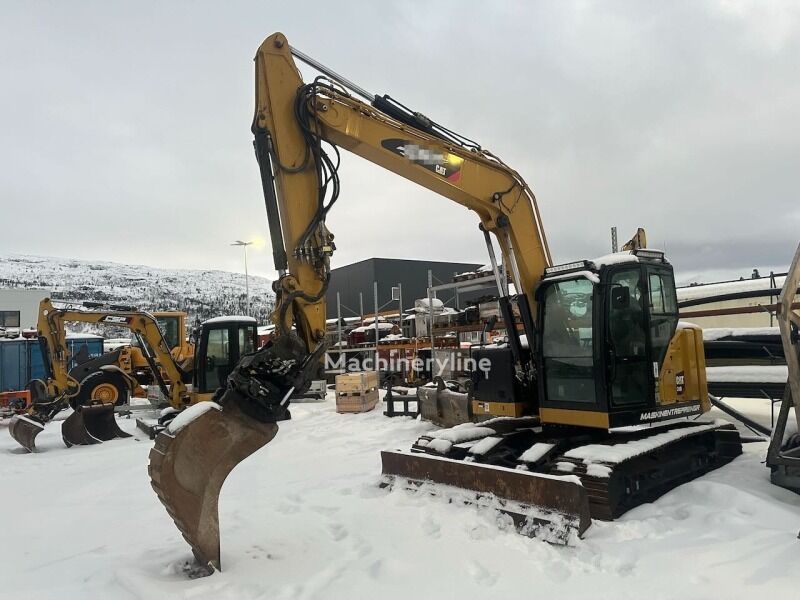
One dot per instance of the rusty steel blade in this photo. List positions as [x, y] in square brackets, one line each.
[561, 497]
[188, 467]
[444, 407]
[24, 430]
[100, 422]
[75, 433]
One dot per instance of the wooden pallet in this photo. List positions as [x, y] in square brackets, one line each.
[349, 402]
[356, 382]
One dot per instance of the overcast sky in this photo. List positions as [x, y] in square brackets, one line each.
[126, 125]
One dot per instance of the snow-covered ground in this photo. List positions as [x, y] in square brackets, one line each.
[305, 518]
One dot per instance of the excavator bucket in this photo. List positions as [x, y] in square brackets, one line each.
[189, 463]
[444, 406]
[91, 424]
[545, 506]
[24, 430]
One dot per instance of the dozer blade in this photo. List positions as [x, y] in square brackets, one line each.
[24, 430]
[189, 464]
[91, 425]
[540, 505]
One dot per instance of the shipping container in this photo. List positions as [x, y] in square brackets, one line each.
[21, 359]
[14, 365]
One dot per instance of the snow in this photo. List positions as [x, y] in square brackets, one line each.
[463, 433]
[696, 292]
[572, 275]
[717, 333]
[85, 336]
[536, 452]
[596, 470]
[190, 414]
[615, 259]
[748, 374]
[394, 337]
[381, 326]
[483, 446]
[616, 453]
[228, 319]
[304, 518]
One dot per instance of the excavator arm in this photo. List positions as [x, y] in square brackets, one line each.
[59, 390]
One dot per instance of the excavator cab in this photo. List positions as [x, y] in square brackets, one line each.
[612, 354]
[223, 341]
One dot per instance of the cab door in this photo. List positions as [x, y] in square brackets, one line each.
[630, 381]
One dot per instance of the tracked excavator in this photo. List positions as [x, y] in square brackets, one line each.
[93, 396]
[606, 360]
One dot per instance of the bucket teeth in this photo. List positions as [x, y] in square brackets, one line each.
[188, 467]
[24, 430]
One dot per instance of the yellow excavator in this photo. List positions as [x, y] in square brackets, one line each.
[605, 350]
[125, 370]
[93, 396]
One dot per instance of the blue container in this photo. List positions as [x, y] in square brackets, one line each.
[14, 365]
[21, 360]
[93, 345]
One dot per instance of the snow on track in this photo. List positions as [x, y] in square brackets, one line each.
[304, 518]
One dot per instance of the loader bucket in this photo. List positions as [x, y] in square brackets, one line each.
[189, 464]
[24, 430]
[91, 424]
[540, 505]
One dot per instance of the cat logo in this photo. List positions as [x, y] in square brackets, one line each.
[680, 383]
[443, 164]
[115, 320]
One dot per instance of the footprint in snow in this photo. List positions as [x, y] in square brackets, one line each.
[481, 575]
[431, 527]
[337, 531]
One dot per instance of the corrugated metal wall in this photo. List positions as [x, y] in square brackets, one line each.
[21, 360]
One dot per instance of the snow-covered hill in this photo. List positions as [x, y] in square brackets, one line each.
[202, 294]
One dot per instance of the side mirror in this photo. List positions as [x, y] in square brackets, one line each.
[620, 297]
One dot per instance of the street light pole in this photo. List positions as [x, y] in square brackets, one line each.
[246, 276]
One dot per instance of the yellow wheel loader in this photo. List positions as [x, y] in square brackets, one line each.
[605, 347]
[92, 392]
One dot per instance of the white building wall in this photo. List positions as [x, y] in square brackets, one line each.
[26, 301]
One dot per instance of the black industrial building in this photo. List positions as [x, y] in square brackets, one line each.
[356, 278]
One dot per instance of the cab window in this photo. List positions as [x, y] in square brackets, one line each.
[663, 312]
[567, 337]
[246, 345]
[169, 329]
[217, 361]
